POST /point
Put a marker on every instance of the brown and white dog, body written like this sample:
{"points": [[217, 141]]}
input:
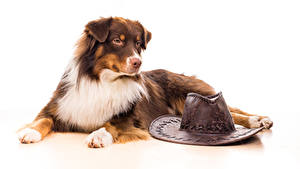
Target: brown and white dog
{"points": [[103, 92]]}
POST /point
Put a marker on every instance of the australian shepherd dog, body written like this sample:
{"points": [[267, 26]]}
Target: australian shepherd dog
{"points": [[103, 92]]}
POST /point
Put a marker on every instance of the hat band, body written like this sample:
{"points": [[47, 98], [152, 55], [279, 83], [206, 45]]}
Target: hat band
{"points": [[219, 128]]}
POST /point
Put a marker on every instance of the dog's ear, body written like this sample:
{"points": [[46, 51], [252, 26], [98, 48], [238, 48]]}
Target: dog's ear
{"points": [[146, 36], [99, 29]]}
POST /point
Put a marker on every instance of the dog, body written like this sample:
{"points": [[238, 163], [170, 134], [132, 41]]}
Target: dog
{"points": [[103, 91]]}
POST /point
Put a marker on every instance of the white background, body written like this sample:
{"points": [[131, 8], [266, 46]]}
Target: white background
{"points": [[247, 49]]}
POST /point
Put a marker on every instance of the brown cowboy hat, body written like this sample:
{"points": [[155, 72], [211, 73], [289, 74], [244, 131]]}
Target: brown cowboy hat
{"points": [[206, 120]]}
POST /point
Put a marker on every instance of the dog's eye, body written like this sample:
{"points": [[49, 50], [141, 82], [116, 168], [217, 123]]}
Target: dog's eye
{"points": [[117, 42], [138, 44]]}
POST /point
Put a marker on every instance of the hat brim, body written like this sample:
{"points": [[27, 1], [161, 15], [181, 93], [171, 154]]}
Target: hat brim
{"points": [[166, 128]]}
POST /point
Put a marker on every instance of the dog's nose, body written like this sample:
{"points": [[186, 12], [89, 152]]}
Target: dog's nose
{"points": [[135, 62]]}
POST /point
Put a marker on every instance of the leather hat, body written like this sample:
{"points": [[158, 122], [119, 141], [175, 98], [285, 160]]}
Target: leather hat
{"points": [[206, 120]]}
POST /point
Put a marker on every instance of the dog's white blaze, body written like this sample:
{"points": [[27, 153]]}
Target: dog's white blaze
{"points": [[93, 103], [134, 56]]}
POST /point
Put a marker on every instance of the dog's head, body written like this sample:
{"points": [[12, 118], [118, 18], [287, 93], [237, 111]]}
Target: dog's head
{"points": [[112, 43]]}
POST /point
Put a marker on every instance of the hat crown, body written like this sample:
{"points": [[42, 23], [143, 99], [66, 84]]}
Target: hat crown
{"points": [[206, 115]]}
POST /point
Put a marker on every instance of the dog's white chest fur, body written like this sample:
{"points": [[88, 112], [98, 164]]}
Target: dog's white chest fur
{"points": [[93, 103]]}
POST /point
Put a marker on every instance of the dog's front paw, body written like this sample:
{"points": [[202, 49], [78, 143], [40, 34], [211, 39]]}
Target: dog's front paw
{"points": [[99, 139], [29, 135], [266, 123]]}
